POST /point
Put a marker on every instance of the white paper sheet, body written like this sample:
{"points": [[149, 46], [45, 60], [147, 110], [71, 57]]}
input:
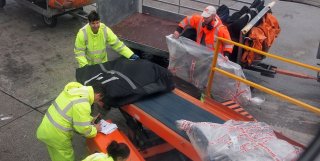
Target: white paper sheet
{"points": [[107, 127]]}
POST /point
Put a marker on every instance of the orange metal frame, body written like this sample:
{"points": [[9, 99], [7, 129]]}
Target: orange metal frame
{"points": [[172, 137], [213, 107], [175, 139], [101, 141], [158, 149]]}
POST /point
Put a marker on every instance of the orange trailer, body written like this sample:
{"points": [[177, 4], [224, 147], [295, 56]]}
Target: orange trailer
{"points": [[101, 141]]}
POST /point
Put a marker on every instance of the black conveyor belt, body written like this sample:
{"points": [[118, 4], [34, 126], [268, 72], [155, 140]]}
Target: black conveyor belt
{"points": [[169, 107]]}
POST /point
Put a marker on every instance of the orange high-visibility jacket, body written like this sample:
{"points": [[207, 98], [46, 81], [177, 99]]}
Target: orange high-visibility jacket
{"points": [[219, 30], [262, 38]]}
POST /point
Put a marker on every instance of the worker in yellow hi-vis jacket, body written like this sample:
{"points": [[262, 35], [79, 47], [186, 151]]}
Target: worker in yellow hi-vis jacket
{"points": [[69, 112], [91, 41]]}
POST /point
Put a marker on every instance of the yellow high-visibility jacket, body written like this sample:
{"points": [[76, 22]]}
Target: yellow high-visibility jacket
{"points": [[69, 112], [98, 157], [90, 48]]}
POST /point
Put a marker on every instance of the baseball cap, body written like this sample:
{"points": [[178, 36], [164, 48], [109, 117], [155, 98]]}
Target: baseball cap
{"points": [[208, 11]]}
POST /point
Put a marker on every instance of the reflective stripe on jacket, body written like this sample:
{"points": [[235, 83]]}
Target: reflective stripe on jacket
{"points": [[98, 157], [219, 30], [71, 111], [90, 48]]}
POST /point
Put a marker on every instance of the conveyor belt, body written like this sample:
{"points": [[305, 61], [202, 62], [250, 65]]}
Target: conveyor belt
{"points": [[169, 107]]}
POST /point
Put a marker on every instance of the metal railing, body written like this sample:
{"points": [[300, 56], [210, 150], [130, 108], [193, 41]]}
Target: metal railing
{"points": [[260, 87], [182, 4]]}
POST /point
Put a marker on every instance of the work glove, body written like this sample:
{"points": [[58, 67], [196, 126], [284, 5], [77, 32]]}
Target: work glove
{"points": [[226, 54], [134, 57], [176, 34]]}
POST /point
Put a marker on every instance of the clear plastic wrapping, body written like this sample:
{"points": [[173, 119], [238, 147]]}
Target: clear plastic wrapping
{"points": [[192, 62], [238, 141]]}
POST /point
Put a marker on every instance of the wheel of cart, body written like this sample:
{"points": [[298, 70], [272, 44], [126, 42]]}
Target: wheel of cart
{"points": [[2, 3], [50, 21]]}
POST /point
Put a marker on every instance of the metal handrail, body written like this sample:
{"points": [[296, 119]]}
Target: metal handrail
{"points": [[179, 5], [260, 87]]}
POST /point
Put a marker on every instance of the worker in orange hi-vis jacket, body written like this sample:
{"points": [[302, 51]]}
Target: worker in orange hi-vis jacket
{"points": [[208, 27]]}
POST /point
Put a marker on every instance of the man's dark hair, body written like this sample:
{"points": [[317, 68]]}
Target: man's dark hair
{"points": [[97, 87], [93, 16], [116, 150]]}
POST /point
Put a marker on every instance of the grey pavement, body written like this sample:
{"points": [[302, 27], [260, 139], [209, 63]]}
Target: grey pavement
{"points": [[36, 62], [315, 3], [17, 135]]}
